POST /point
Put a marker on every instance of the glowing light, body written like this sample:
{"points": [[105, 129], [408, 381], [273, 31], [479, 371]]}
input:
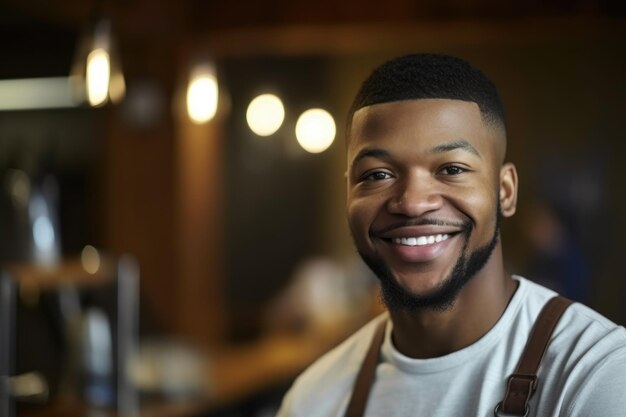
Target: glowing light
{"points": [[98, 76], [43, 234], [90, 258], [315, 130], [202, 95], [265, 114]]}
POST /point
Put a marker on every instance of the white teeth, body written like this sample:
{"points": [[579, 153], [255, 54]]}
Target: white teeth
{"points": [[421, 240]]}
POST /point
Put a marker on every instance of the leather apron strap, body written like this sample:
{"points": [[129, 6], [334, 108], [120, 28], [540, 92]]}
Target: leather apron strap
{"points": [[521, 384], [365, 377]]}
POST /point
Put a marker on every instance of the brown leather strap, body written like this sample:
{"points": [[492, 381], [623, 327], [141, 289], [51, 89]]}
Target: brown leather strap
{"points": [[523, 382], [365, 377]]}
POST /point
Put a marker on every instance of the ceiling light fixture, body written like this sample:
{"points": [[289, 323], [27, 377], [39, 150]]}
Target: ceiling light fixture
{"points": [[315, 130], [202, 92], [96, 75], [265, 114]]}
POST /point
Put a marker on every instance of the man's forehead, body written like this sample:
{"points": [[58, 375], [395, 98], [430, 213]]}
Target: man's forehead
{"points": [[422, 114], [429, 119]]}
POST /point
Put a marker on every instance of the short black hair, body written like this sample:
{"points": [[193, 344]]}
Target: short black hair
{"points": [[424, 76]]}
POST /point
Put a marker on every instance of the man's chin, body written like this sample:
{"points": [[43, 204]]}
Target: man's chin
{"points": [[423, 286], [438, 297], [398, 295]]}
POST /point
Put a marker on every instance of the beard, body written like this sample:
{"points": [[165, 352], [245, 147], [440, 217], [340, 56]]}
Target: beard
{"points": [[442, 298]]}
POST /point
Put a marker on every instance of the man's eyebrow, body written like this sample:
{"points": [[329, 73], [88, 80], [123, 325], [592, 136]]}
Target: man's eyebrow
{"points": [[454, 145], [370, 153]]}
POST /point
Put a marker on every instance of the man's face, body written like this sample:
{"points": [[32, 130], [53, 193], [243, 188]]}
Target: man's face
{"points": [[424, 183]]}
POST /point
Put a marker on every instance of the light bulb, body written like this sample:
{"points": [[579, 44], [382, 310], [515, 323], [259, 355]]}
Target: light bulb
{"points": [[202, 95], [98, 76], [315, 130], [265, 114]]}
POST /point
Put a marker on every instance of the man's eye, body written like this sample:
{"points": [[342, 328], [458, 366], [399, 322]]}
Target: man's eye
{"points": [[377, 176], [452, 170]]}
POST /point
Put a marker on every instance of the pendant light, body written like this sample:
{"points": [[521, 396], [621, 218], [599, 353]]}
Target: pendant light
{"points": [[96, 75], [202, 91]]}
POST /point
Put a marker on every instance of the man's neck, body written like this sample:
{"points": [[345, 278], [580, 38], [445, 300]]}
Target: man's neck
{"points": [[429, 333]]}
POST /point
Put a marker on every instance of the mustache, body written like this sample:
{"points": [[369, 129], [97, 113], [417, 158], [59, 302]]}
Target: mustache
{"points": [[465, 226]]}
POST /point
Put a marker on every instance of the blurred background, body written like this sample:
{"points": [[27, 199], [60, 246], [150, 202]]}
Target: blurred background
{"points": [[172, 228]]}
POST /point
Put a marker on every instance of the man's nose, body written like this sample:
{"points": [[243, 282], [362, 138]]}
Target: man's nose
{"points": [[415, 196]]}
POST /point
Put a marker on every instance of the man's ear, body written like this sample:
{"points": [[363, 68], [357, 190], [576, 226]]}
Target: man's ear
{"points": [[508, 189]]}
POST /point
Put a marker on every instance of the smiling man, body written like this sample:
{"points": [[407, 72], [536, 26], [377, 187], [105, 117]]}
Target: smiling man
{"points": [[427, 188]]}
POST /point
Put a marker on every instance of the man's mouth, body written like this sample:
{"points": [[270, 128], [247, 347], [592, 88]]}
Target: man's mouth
{"points": [[420, 240], [418, 244]]}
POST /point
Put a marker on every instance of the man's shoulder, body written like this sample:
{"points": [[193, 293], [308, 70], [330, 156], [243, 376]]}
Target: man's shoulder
{"points": [[332, 375], [579, 322], [584, 340], [590, 331], [584, 367], [590, 351]]}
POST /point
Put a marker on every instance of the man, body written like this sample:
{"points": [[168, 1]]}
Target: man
{"points": [[427, 187]]}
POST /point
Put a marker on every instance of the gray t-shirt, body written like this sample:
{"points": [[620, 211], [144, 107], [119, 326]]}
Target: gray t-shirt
{"points": [[583, 372]]}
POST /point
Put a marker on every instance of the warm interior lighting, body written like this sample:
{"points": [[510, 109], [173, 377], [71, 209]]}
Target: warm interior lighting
{"points": [[90, 258], [265, 114], [315, 130], [202, 94], [98, 76], [97, 73]]}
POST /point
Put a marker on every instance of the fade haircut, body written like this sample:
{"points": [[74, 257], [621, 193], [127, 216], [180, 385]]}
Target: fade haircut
{"points": [[424, 76]]}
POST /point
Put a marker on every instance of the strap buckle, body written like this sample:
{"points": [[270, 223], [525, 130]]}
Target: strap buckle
{"points": [[496, 411], [520, 388], [532, 380]]}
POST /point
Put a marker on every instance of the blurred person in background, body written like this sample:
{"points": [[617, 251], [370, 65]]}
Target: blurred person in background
{"points": [[428, 185], [556, 261]]}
